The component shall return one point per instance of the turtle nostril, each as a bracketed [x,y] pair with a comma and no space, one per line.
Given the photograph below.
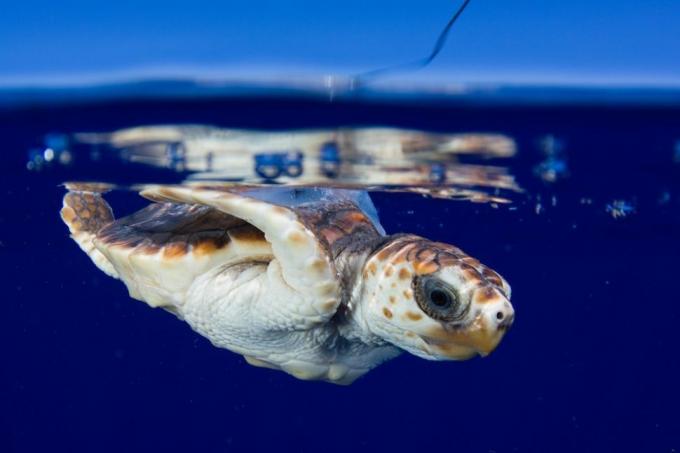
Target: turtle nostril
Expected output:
[504,319]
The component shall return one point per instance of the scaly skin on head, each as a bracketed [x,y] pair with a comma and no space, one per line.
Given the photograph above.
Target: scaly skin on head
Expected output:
[430,299]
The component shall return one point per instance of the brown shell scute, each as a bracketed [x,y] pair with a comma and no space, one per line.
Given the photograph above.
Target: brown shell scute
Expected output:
[246,233]
[178,229]
[336,224]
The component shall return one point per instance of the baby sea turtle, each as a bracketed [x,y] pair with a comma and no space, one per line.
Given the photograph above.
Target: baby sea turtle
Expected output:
[301,280]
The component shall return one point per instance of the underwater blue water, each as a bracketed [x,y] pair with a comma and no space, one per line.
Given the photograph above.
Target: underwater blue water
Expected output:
[590,365]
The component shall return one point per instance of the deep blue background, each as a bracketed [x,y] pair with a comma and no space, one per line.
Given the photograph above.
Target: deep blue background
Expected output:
[591,363]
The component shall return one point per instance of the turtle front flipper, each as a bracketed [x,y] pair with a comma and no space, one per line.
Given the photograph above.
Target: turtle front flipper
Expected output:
[301,258]
[85,212]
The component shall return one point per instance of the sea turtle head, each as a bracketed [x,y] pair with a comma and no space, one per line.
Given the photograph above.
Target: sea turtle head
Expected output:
[433,300]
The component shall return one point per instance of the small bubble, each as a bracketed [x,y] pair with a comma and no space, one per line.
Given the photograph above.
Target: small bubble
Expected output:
[48,154]
[619,209]
[538,208]
[65,157]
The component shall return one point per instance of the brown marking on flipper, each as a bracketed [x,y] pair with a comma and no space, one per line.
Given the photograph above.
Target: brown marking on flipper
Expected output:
[204,247]
[297,238]
[175,250]
[145,247]
[95,187]
[318,265]
[86,212]
[68,214]
[387,313]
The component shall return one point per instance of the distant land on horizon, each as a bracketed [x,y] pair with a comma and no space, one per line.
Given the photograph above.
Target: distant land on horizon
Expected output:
[338,89]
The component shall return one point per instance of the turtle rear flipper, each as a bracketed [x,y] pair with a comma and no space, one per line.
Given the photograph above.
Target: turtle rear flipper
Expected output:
[85,212]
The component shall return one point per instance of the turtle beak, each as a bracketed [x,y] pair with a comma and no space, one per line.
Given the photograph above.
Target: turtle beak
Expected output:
[481,337]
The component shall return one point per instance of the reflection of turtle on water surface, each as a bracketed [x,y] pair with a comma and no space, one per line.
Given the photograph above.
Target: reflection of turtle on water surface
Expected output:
[304,281]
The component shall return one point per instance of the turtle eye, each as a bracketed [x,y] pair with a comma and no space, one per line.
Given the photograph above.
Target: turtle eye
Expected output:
[442,299]
[438,299]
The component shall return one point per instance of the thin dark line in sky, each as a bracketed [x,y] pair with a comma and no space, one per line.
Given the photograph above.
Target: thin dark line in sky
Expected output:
[362,78]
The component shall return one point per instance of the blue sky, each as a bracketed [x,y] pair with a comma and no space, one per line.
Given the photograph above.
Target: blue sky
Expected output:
[579,41]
